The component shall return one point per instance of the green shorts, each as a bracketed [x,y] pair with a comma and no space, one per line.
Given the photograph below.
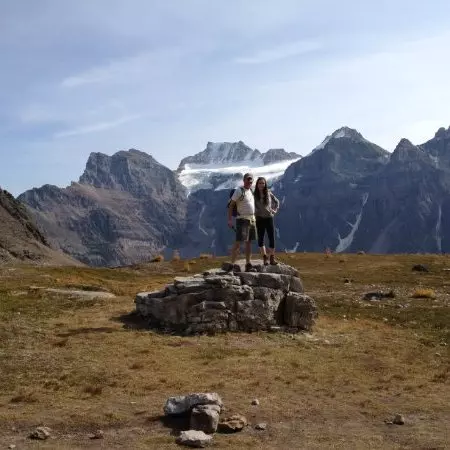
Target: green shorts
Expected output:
[245,230]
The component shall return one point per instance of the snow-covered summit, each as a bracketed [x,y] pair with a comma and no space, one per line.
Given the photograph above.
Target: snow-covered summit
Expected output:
[222,153]
[221,165]
[344,132]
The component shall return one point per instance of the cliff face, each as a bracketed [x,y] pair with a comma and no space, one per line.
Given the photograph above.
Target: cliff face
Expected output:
[21,240]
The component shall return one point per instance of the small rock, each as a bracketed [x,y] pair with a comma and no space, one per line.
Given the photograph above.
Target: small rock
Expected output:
[232,424]
[194,438]
[205,418]
[261,426]
[437,354]
[40,433]
[420,268]
[398,420]
[97,435]
[12,446]
[255,402]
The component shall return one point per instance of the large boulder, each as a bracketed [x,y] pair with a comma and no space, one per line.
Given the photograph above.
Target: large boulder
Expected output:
[184,403]
[230,299]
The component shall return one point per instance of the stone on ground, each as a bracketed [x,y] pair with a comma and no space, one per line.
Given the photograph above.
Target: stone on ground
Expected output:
[40,433]
[205,418]
[232,424]
[194,438]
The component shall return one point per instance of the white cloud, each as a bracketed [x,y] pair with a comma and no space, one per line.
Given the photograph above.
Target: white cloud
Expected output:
[281,52]
[101,126]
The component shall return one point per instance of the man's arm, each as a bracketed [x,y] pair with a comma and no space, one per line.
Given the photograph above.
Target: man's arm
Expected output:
[230,213]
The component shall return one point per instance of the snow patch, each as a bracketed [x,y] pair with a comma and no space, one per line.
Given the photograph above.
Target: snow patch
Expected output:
[199,177]
[322,144]
[200,221]
[435,159]
[294,249]
[438,230]
[346,242]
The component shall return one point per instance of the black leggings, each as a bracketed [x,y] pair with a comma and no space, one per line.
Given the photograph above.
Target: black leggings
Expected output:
[264,224]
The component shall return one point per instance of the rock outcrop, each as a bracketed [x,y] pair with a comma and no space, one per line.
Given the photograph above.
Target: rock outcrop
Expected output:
[20,238]
[230,299]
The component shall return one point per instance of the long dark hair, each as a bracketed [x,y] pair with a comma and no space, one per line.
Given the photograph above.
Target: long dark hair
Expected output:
[265,191]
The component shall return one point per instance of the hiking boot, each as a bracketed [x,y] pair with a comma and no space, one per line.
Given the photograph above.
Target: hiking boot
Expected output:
[273,261]
[249,268]
[266,260]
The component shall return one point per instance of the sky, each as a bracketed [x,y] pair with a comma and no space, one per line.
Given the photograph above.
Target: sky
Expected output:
[167,76]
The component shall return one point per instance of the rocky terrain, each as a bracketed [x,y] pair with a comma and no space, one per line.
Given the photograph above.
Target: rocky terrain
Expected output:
[21,240]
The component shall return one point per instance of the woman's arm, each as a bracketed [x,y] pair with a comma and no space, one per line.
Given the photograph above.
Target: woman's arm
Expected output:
[275,203]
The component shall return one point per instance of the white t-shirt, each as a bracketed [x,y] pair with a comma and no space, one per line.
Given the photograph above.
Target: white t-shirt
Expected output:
[245,204]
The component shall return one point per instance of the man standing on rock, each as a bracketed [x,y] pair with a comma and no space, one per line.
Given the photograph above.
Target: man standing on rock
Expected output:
[244,201]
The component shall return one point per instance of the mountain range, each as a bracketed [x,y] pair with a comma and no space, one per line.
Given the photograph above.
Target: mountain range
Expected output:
[347,194]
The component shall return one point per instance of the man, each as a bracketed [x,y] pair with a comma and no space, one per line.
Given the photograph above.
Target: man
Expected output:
[245,220]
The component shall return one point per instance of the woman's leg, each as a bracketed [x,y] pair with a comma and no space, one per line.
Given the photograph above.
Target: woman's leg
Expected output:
[271,235]
[260,231]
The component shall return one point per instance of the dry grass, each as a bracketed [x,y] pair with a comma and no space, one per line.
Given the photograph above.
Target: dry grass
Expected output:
[77,366]
[424,293]
[206,256]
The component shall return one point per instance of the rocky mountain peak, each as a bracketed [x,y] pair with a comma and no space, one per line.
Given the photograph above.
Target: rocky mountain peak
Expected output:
[406,151]
[221,153]
[122,170]
[342,133]
[277,155]
[346,132]
[442,133]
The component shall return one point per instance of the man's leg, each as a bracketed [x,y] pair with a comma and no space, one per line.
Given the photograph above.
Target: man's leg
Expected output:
[240,230]
[235,251]
[248,251]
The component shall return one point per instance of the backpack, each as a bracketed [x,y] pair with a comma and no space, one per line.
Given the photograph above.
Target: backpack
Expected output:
[234,212]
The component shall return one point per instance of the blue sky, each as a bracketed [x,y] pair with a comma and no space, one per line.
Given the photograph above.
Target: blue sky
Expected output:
[167,76]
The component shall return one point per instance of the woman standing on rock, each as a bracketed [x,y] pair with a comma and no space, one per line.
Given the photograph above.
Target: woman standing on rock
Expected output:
[266,206]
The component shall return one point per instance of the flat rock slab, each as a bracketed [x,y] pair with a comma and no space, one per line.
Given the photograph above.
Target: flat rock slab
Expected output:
[81,294]
[258,265]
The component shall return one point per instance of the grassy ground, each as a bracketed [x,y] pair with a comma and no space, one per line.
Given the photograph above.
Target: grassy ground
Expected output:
[79,365]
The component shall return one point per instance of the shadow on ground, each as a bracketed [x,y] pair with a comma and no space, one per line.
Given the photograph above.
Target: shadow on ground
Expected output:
[132,321]
[176,424]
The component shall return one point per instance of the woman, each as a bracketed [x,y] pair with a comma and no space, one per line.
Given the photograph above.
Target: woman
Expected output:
[266,206]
